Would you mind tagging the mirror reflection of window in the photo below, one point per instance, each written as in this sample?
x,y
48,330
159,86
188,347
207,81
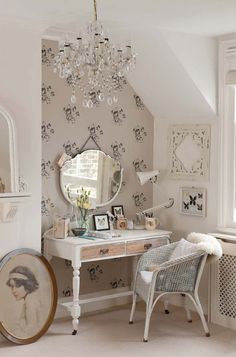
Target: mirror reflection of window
x,y
95,172
5,166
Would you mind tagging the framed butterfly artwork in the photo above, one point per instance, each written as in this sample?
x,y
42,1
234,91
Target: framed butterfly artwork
x,y
117,210
193,201
101,222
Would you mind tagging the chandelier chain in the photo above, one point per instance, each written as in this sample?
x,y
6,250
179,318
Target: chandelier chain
x,y
95,10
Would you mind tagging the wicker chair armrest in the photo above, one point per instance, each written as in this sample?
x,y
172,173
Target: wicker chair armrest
x,y
178,267
182,260
156,256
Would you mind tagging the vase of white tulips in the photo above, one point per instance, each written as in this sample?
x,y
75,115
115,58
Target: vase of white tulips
x,y
82,205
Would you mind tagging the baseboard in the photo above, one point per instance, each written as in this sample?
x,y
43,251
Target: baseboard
x,y
62,312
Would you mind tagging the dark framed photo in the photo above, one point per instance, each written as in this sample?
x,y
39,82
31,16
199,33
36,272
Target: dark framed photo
x,y
117,210
101,222
28,296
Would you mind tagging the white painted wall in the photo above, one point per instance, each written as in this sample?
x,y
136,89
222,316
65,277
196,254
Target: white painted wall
x,y
167,83
20,93
176,77
170,219
198,55
182,224
198,71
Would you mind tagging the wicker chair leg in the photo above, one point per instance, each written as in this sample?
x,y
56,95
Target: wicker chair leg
x,y
201,314
133,308
166,306
188,313
147,324
149,308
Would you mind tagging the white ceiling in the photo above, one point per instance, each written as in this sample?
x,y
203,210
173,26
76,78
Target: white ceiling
x,y
202,17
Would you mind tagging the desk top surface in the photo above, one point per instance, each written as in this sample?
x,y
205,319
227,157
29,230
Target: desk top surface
x,y
119,236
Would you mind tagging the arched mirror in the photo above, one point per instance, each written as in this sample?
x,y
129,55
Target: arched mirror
x,y
8,161
95,171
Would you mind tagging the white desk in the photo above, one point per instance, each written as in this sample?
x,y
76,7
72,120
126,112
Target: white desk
x,y
79,250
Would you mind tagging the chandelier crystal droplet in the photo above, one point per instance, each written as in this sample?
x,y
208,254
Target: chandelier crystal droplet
x,y
94,65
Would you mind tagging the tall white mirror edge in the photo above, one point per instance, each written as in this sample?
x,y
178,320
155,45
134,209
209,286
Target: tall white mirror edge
x,y
13,186
10,196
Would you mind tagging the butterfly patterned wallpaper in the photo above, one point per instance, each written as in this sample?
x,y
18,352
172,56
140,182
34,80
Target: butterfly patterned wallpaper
x,y
124,131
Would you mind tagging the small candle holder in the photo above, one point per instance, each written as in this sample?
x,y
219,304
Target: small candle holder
x,y
121,223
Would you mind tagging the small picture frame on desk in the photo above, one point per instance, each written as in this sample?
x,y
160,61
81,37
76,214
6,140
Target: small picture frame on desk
x,y
101,222
117,211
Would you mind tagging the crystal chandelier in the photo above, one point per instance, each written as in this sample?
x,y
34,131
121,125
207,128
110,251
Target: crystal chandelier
x,y
94,65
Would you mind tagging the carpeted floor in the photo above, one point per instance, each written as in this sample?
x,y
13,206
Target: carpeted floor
x,y
109,334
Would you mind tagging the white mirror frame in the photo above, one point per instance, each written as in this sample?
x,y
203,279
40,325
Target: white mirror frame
x,y
12,150
100,204
117,192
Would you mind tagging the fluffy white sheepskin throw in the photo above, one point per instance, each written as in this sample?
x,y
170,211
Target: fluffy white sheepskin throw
x,y
207,243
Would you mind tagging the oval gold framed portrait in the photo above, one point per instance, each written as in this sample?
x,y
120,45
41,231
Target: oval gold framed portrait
x,y
28,296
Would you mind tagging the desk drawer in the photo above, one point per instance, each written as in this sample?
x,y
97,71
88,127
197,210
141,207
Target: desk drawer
x,y
143,245
101,251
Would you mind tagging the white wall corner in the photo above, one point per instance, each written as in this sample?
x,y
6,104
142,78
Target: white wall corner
x,y
198,55
21,96
172,84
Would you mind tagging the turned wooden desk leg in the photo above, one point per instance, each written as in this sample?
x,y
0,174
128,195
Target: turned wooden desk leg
x,y
75,310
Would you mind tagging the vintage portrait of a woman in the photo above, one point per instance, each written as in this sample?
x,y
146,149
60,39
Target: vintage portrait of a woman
x,y
28,295
24,286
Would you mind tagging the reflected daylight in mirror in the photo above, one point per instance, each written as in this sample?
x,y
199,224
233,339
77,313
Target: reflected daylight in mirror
x,y
93,171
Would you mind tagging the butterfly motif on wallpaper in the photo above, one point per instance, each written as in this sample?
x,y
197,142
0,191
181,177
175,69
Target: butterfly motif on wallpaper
x,y
192,200
186,205
199,207
118,211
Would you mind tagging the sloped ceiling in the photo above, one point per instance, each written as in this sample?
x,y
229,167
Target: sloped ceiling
x,y
176,71
198,55
173,80
203,17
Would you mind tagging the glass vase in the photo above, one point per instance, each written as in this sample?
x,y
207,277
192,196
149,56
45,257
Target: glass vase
x,y
79,222
83,225
74,222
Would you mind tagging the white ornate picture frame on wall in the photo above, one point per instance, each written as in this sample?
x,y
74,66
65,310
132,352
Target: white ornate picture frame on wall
x,y
193,201
188,149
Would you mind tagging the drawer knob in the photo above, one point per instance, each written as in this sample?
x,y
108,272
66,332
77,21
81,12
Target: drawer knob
x,y
147,246
104,251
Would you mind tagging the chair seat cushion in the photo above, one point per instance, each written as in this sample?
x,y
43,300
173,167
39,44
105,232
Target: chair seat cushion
x,y
183,248
146,276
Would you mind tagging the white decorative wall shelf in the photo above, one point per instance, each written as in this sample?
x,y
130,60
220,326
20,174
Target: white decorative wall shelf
x,y
189,147
9,205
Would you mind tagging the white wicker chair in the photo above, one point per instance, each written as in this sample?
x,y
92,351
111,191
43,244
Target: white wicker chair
x,y
181,275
